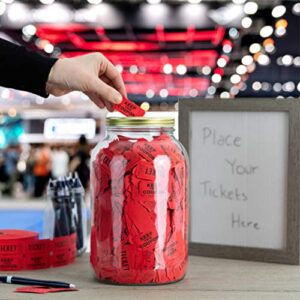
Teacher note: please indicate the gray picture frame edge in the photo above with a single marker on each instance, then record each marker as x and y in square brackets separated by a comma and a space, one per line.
[291, 254]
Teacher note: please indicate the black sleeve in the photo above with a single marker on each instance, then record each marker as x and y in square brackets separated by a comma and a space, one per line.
[23, 69]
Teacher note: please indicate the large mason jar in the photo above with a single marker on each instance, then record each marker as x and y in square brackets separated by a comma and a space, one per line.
[139, 187]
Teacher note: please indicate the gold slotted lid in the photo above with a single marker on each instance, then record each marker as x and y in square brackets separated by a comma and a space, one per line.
[140, 122]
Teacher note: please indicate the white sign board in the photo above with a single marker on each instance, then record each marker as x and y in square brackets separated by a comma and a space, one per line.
[233, 155]
[245, 173]
[66, 128]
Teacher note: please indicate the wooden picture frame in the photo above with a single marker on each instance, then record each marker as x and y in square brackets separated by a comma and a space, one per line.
[289, 253]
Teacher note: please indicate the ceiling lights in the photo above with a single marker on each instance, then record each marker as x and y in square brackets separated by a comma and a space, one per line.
[233, 33]
[263, 59]
[238, 1]
[266, 31]
[94, 1]
[227, 46]
[29, 30]
[145, 106]
[206, 70]
[287, 60]
[47, 2]
[296, 61]
[247, 60]
[246, 22]
[224, 95]
[222, 61]
[168, 69]
[241, 69]
[269, 45]
[296, 9]
[281, 26]
[250, 8]
[153, 1]
[254, 48]
[181, 69]
[211, 90]
[216, 78]
[256, 86]
[169, 77]
[278, 11]
[2, 8]
[194, 1]
[235, 79]
[150, 93]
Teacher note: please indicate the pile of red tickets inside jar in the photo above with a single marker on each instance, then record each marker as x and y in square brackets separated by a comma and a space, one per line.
[139, 232]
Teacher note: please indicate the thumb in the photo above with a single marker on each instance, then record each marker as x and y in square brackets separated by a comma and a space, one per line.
[104, 91]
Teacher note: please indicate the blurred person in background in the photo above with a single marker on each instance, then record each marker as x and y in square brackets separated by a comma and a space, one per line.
[60, 162]
[11, 157]
[41, 169]
[28, 177]
[2, 167]
[3, 175]
[80, 161]
[71, 150]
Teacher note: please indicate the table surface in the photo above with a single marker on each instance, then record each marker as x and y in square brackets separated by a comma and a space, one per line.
[207, 278]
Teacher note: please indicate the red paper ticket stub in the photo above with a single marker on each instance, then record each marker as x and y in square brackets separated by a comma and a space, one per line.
[129, 109]
[42, 289]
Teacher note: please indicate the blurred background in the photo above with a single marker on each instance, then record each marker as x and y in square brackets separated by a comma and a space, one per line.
[164, 49]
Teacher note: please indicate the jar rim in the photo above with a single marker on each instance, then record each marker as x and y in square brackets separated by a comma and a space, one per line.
[140, 122]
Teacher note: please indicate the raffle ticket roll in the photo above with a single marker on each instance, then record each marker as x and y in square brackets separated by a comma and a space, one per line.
[23, 250]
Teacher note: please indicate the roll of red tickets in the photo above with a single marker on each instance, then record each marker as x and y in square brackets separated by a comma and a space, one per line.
[139, 232]
[22, 250]
[129, 109]
[17, 235]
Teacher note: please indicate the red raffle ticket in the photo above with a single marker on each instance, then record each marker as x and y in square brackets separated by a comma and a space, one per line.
[22, 250]
[129, 109]
[140, 216]
[43, 290]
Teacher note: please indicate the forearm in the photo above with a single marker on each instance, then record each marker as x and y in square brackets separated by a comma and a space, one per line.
[23, 69]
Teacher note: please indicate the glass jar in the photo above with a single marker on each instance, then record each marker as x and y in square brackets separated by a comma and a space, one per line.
[139, 178]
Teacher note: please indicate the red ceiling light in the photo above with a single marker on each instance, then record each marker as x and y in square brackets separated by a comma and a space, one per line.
[154, 60]
[101, 34]
[219, 71]
[149, 53]
[58, 33]
[227, 42]
[191, 34]
[160, 33]
[80, 43]
[219, 35]
[213, 36]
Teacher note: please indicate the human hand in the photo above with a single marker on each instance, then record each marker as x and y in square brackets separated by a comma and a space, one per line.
[93, 74]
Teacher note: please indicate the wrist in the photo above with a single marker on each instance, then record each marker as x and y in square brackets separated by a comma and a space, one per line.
[52, 77]
[53, 71]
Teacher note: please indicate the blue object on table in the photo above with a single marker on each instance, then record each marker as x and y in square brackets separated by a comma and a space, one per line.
[26, 219]
[22, 219]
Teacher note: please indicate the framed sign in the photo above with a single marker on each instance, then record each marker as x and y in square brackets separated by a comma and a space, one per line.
[245, 177]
